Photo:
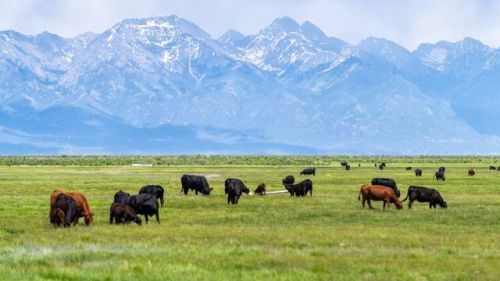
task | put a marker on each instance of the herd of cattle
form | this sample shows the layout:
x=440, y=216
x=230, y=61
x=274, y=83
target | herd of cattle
x=66, y=208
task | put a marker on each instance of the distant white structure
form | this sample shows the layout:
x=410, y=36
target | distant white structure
x=141, y=165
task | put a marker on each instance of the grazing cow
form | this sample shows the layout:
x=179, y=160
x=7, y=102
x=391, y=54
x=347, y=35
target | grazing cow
x=121, y=197
x=424, y=194
x=122, y=213
x=375, y=165
x=308, y=171
x=300, y=189
x=145, y=204
x=418, y=172
x=64, y=212
x=196, y=183
x=440, y=175
x=378, y=193
x=261, y=189
x=343, y=163
x=387, y=182
x=234, y=188
x=383, y=164
x=288, y=180
x=408, y=168
x=472, y=172
x=82, y=206
x=498, y=169
x=348, y=167
x=493, y=168
x=381, y=167
x=157, y=190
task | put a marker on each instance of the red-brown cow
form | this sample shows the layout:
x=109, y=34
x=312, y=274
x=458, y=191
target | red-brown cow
x=378, y=193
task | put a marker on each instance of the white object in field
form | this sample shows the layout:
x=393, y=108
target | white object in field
x=142, y=165
x=277, y=192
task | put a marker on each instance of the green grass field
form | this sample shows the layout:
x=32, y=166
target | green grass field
x=325, y=237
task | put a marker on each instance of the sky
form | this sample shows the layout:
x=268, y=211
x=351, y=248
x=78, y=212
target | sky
x=407, y=22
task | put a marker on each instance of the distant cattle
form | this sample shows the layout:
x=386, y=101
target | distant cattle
x=157, y=190
x=234, y=188
x=424, y=194
x=493, y=168
x=383, y=164
x=64, y=211
x=196, y=183
x=381, y=167
x=288, y=180
x=471, y=172
x=82, y=206
x=261, y=189
x=498, y=169
x=378, y=193
x=145, y=204
x=300, y=189
x=122, y=213
x=418, y=172
x=442, y=169
x=387, y=182
x=121, y=197
x=308, y=171
x=348, y=167
x=408, y=168
x=440, y=175
x=343, y=163
x=375, y=164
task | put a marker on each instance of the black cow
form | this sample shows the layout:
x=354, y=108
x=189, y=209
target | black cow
x=196, y=183
x=121, y=197
x=381, y=167
x=498, y=169
x=122, y=213
x=383, y=164
x=65, y=211
x=308, y=171
x=234, y=188
x=343, y=163
x=418, y=172
x=408, y=168
x=145, y=204
x=300, y=189
x=424, y=194
x=440, y=175
x=288, y=180
x=442, y=169
x=347, y=167
x=387, y=182
x=493, y=168
x=157, y=190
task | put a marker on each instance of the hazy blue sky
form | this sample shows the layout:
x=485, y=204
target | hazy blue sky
x=408, y=22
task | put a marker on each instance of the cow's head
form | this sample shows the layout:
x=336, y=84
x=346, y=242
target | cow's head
x=206, y=190
x=245, y=189
x=138, y=220
x=89, y=218
x=398, y=204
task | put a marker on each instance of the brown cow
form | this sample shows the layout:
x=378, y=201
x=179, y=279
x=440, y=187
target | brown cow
x=472, y=172
x=82, y=205
x=379, y=193
x=261, y=189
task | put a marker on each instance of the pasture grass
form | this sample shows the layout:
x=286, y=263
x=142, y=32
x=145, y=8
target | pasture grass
x=328, y=236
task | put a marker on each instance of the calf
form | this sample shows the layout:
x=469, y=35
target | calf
x=472, y=172
x=234, y=188
x=378, y=193
x=300, y=189
x=122, y=213
x=145, y=204
x=424, y=194
x=387, y=182
x=64, y=211
x=440, y=175
x=157, y=190
x=196, y=183
x=418, y=172
x=82, y=206
x=261, y=189
x=309, y=171
x=121, y=197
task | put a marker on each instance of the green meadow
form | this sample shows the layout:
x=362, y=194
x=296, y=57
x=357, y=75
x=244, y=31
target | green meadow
x=328, y=236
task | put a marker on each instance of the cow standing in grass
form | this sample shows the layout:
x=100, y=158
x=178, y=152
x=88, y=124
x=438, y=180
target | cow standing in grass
x=234, y=188
x=300, y=189
x=378, y=193
x=424, y=194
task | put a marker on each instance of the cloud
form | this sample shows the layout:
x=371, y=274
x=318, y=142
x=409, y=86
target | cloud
x=407, y=22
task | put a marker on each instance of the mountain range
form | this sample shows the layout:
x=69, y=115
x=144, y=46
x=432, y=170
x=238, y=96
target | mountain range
x=163, y=85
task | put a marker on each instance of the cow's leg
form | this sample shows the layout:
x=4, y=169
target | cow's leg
x=185, y=190
x=196, y=192
x=363, y=202
x=369, y=203
x=410, y=202
x=111, y=218
x=237, y=199
x=228, y=199
x=146, y=218
x=157, y=215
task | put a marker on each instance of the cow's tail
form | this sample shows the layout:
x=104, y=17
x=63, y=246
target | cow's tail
x=407, y=194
